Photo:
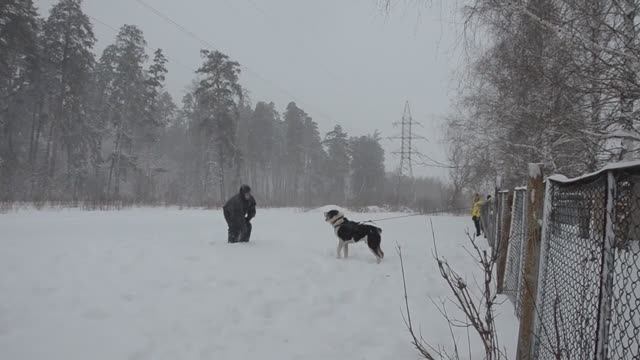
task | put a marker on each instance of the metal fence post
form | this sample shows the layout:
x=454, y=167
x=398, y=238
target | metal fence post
x=503, y=245
x=535, y=192
x=606, y=274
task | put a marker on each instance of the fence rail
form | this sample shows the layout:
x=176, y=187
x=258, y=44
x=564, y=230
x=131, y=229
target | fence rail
x=587, y=300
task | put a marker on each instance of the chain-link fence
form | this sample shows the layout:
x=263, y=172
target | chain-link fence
x=588, y=289
x=622, y=281
x=569, y=277
x=493, y=212
x=488, y=220
x=588, y=304
x=515, y=251
x=503, y=209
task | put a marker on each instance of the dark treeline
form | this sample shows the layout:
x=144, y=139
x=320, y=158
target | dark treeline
x=76, y=127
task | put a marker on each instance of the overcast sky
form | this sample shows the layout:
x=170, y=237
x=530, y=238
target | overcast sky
x=344, y=62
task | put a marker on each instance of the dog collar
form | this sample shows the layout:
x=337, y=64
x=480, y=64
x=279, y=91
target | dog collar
x=336, y=223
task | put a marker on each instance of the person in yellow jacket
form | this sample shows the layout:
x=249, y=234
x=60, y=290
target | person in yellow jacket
x=476, y=212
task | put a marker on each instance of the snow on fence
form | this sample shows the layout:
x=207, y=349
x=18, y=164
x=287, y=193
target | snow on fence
x=587, y=302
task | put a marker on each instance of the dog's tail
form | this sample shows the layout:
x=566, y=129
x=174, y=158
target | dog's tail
x=374, y=241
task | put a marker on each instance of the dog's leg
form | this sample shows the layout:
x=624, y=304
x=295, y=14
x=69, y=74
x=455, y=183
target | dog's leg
x=378, y=259
x=346, y=250
x=377, y=254
x=340, y=245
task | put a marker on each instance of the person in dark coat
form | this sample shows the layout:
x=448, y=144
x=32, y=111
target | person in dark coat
x=238, y=212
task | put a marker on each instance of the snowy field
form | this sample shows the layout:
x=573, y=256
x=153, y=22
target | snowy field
x=164, y=284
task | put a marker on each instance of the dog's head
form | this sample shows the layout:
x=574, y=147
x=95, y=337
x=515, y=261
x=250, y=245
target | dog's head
x=332, y=215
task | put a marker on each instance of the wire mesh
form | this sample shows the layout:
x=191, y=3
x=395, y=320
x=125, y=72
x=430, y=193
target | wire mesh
x=623, y=340
x=513, y=273
x=570, y=281
x=503, y=208
x=488, y=219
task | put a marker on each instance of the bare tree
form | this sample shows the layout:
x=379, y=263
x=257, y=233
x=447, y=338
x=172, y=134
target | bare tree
x=478, y=310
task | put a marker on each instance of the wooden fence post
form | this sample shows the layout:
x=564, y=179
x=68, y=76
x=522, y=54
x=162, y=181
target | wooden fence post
x=535, y=193
x=504, y=242
x=606, y=273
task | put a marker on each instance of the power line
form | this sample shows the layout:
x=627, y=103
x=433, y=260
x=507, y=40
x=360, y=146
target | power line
x=406, y=138
x=113, y=28
x=271, y=21
x=431, y=162
x=408, y=153
x=258, y=8
x=210, y=45
x=405, y=169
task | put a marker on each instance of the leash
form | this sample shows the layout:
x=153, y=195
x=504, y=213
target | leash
x=412, y=215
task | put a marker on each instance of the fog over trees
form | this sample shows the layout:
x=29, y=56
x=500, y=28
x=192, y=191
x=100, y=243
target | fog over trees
x=100, y=129
x=551, y=81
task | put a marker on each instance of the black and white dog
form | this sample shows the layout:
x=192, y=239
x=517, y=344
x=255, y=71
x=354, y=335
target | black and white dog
x=349, y=232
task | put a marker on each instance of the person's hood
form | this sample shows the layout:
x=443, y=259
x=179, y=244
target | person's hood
x=244, y=189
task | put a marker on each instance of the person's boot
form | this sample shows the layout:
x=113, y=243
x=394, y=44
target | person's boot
x=233, y=236
x=245, y=234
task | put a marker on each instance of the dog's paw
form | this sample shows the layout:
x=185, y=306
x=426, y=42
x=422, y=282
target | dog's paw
x=378, y=260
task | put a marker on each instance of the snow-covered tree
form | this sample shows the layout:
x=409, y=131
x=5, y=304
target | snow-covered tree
x=315, y=160
x=337, y=145
x=218, y=98
x=294, y=118
x=555, y=83
x=367, y=170
x=18, y=70
x=67, y=43
x=124, y=88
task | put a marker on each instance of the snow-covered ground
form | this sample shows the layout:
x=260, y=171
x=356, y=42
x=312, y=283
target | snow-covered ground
x=164, y=284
